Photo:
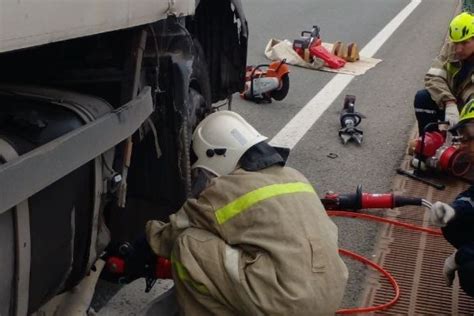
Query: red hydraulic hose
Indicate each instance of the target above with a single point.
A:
(385, 273)
(431, 231)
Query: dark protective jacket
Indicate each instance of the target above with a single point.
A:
(459, 232)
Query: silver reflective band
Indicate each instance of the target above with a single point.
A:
(437, 72)
(467, 200)
(231, 263)
(425, 111)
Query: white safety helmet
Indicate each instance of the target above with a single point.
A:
(221, 139)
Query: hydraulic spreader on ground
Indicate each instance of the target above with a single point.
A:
(349, 120)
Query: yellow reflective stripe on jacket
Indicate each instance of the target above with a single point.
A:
(184, 276)
(242, 203)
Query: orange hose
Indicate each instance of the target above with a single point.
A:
(385, 273)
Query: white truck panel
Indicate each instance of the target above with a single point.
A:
(27, 23)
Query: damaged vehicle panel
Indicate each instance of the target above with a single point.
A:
(96, 116)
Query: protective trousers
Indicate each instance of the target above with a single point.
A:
(426, 111)
(202, 279)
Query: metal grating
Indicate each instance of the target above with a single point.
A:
(468, 5)
(416, 259)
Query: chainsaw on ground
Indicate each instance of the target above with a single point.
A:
(309, 46)
(266, 82)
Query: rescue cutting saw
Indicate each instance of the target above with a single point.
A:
(266, 82)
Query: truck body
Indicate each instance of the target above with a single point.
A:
(32, 23)
(98, 101)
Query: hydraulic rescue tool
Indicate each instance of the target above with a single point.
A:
(128, 262)
(363, 200)
(309, 46)
(266, 82)
(349, 120)
(348, 205)
(437, 151)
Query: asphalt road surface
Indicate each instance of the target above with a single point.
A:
(406, 36)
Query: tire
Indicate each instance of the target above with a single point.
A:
(199, 88)
(199, 105)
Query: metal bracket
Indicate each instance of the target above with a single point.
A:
(26, 175)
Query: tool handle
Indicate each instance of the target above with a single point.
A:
(388, 200)
(376, 200)
(399, 201)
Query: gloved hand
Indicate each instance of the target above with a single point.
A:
(138, 259)
(451, 114)
(441, 213)
(449, 269)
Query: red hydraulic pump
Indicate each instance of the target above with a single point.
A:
(309, 45)
(439, 150)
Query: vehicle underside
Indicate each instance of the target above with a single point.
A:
(95, 140)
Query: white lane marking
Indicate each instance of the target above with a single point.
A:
(299, 125)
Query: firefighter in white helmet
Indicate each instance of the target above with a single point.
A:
(256, 240)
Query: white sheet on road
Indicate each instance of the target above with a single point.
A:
(278, 50)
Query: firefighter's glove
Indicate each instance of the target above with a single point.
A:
(441, 213)
(449, 269)
(141, 259)
(451, 114)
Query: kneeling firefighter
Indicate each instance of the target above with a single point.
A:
(457, 219)
(256, 240)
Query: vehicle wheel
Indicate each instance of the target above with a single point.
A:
(199, 105)
(199, 89)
